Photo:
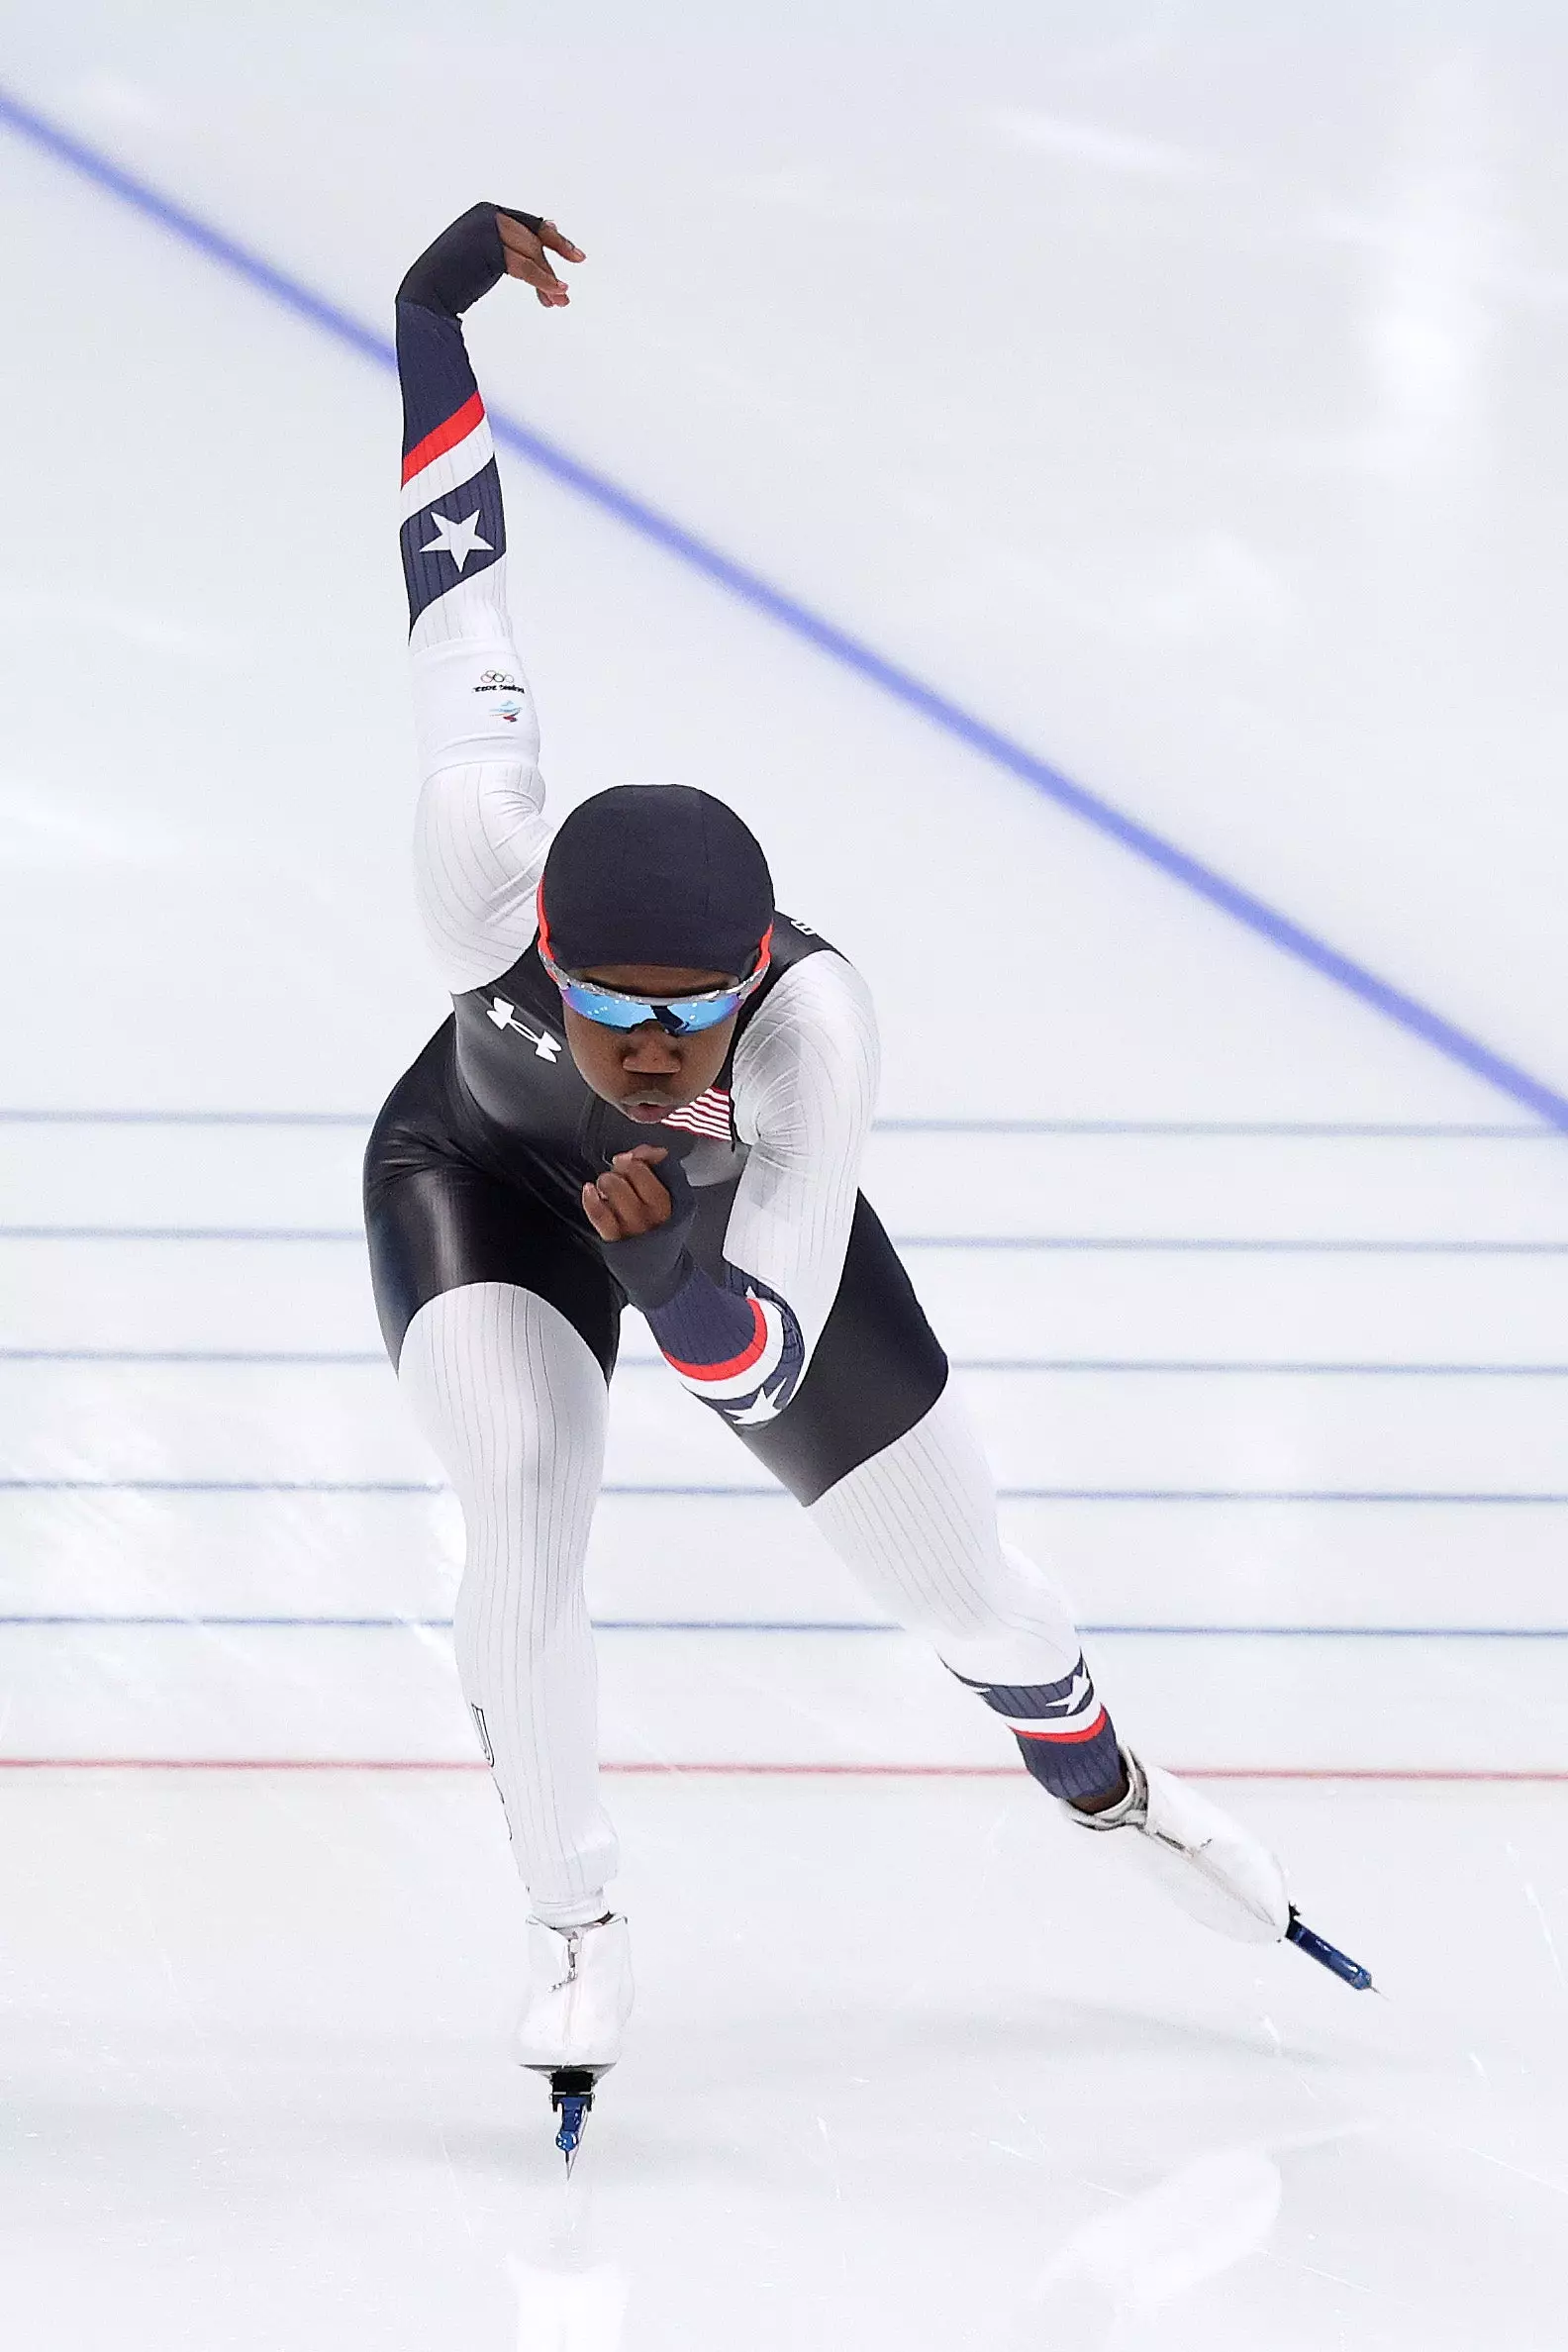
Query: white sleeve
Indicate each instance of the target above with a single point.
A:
(480, 835)
(806, 1073)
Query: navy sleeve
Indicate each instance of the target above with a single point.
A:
(736, 1344)
(453, 524)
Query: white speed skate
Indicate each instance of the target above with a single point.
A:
(579, 1999)
(1218, 1871)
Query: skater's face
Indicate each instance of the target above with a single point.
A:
(644, 1072)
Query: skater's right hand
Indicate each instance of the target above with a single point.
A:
(642, 1220)
(628, 1198)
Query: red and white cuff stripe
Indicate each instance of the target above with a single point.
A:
(745, 1371)
(447, 457)
(1061, 1734)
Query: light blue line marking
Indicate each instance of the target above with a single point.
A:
(828, 1626)
(1296, 1130)
(1216, 1245)
(1342, 1130)
(361, 1120)
(290, 1234)
(1060, 1244)
(761, 1494)
(814, 628)
(1096, 1366)
(271, 1356)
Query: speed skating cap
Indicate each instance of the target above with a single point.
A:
(656, 874)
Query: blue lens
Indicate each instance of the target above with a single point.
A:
(680, 1017)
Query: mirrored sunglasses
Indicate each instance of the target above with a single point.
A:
(676, 1016)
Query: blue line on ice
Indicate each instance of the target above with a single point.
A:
(443, 1625)
(361, 1358)
(771, 1493)
(1295, 1130)
(840, 646)
(1265, 1245)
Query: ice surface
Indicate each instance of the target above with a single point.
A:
(909, 2066)
(1181, 389)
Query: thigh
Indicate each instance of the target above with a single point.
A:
(438, 1221)
(513, 1402)
(877, 1370)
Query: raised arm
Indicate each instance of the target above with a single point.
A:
(480, 837)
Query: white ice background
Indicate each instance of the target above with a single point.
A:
(1179, 387)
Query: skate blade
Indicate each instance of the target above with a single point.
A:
(573, 2098)
(1349, 1972)
(569, 2139)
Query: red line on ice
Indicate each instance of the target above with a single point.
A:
(1200, 1772)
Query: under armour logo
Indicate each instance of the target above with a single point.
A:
(504, 1016)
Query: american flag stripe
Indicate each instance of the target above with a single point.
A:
(709, 1115)
(456, 428)
(451, 471)
(718, 1128)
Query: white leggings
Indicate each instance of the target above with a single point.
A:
(513, 1402)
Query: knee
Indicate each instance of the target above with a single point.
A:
(517, 1602)
(511, 1400)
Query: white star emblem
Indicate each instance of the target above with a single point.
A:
(456, 539)
(1080, 1690)
(760, 1409)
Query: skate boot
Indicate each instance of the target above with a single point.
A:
(1218, 1872)
(579, 2000)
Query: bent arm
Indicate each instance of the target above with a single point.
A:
(480, 835)
(804, 1089)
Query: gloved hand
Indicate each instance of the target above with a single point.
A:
(488, 242)
(642, 1220)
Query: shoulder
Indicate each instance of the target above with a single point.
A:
(810, 981)
(820, 990)
(810, 1050)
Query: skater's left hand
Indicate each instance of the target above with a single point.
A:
(528, 255)
(628, 1198)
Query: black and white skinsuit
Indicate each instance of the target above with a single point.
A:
(499, 1308)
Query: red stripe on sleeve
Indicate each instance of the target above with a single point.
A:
(1064, 1738)
(752, 1353)
(445, 437)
